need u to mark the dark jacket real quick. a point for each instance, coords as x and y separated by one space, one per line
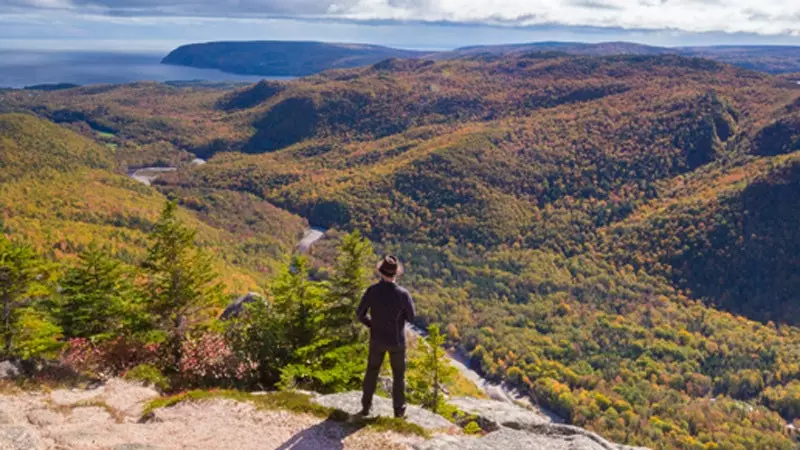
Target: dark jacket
389 307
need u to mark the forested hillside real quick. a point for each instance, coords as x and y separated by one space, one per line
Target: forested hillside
613 235
280 58
60 192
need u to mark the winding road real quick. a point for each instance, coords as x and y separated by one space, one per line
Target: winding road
146 175
312 236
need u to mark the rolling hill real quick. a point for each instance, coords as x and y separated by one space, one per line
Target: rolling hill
61 191
289 58
613 235
280 58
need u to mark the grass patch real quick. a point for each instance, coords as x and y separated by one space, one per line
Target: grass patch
393 424
148 374
116 414
9 388
289 401
462 386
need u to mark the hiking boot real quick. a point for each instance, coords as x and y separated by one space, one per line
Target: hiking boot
364 412
400 413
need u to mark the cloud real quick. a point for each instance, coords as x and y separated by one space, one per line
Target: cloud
749 16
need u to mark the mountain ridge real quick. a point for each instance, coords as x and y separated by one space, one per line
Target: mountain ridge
302 58
280 58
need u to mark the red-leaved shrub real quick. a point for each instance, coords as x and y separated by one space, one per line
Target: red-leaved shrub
207 360
109 358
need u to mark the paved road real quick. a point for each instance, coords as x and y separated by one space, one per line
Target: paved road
146 175
312 235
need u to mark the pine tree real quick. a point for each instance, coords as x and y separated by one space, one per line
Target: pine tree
299 301
430 371
334 360
26 331
350 279
95 293
183 286
259 335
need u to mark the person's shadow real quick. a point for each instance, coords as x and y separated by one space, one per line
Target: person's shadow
327 435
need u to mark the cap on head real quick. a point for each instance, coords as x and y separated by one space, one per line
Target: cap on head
390 267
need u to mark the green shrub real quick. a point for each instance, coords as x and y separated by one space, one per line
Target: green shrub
473 428
148 374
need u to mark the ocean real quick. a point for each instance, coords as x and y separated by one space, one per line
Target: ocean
21 68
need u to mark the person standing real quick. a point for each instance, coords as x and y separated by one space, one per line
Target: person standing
384 309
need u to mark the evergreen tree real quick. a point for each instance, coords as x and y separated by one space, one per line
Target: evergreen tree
299 301
430 371
334 360
95 293
26 331
183 285
350 279
259 335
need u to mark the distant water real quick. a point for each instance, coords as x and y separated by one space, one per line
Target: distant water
20 68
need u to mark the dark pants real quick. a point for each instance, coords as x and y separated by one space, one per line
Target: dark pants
397 358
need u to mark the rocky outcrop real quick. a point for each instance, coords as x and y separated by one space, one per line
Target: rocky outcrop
517 428
350 402
107 417
237 307
502 414
9 369
508 439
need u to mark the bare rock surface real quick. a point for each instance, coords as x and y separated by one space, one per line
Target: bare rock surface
508 439
18 438
351 402
106 417
9 369
520 428
501 413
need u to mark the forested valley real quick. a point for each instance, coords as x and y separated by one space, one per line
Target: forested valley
615 236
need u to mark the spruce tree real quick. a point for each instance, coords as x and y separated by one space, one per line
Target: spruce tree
183 286
26 331
95 293
299 301
334 360
430 371
350 279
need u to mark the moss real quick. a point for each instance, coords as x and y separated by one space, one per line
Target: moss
289 401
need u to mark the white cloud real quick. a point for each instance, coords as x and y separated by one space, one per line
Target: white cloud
752 16
758 16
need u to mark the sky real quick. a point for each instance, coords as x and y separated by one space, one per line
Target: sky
420 24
